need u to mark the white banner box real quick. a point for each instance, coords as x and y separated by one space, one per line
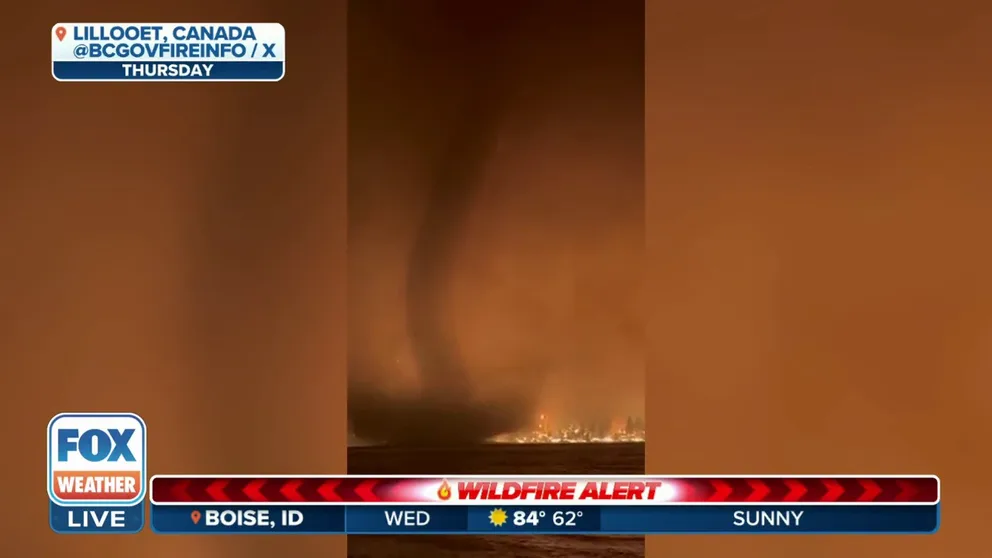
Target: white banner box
165 52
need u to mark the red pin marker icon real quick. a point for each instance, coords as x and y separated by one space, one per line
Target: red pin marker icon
60 33
195 516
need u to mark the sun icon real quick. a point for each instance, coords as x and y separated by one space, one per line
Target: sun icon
497 517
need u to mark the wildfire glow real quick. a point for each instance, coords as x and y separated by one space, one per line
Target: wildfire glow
631 430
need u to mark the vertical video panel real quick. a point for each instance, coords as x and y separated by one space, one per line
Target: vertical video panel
496 202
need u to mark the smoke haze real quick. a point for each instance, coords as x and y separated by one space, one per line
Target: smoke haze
495 216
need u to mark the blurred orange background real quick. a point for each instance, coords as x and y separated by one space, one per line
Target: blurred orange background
818 204
152 263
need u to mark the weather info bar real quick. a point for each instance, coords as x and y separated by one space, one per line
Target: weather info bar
579 505
168 51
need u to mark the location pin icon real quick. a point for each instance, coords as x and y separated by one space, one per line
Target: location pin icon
195 516
60 32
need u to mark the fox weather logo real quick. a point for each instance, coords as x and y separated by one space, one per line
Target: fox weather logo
97 474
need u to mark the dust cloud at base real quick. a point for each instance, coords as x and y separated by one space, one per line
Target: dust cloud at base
495 183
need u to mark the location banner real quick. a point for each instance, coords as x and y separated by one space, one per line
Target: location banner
165 52
535 519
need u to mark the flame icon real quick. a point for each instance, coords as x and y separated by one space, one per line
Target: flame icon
445 491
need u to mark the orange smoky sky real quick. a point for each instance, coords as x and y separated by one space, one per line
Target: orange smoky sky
542 285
